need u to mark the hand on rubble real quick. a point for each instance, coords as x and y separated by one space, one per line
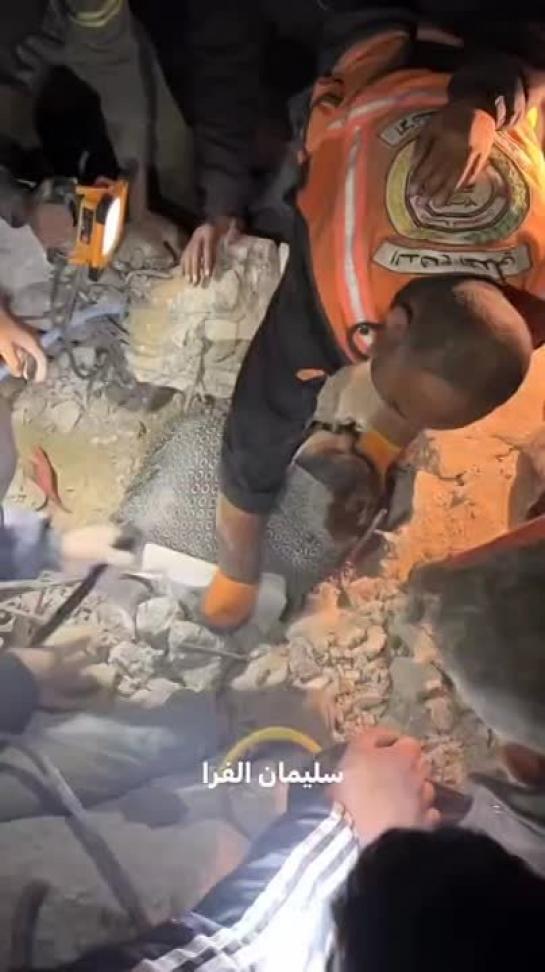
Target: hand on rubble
385 784
19 347
199 256
451 151
63 673
52 224
96 545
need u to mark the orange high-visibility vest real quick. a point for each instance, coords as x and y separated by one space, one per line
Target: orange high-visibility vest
368 235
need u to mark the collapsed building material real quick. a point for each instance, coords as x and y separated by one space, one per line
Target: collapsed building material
194 338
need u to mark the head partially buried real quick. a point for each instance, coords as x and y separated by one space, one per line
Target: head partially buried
452 350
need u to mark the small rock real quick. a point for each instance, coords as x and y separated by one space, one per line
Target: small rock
85 356
65 415
267 670
156 693
409 679
448 762
441 713
185 634
183 638
315 627
317 684
154 618
350 630
369 699
433 686
375 641
423 647
302 663
115 616
204 679
136 660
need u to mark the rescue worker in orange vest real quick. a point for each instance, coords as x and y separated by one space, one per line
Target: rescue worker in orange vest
419 248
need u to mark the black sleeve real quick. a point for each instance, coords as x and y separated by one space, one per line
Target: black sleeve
504 65
221 99
18 694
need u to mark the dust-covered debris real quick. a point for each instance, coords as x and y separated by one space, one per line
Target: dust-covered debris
194 338
265 671
154 618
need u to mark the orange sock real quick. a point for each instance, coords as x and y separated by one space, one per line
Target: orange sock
227 603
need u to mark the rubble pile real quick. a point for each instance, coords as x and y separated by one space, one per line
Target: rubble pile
355 643
194 338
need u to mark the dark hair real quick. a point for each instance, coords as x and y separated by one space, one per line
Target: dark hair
450 900
467 332
488 620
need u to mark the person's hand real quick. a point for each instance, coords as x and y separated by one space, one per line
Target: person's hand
96 545
64 673
451 151
199 256
18 346
158 232
52 224
385 784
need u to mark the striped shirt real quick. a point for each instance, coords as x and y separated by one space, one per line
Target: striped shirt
273 913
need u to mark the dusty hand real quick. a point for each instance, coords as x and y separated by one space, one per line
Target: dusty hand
451 151
199 256
52 223
17 346
159 232
60 672
384 784
95 545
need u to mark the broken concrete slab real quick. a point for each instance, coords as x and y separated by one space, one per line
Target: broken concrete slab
154 618
173 330
189 575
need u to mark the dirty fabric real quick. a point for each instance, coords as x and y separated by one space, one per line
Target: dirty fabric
103 756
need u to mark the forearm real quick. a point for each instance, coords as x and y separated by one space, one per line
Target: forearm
497 83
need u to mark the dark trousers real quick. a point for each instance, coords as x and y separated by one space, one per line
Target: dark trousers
273 402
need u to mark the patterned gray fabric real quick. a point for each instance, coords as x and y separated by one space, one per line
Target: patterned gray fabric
174 500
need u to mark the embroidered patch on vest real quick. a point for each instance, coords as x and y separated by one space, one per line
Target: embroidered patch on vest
488 212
